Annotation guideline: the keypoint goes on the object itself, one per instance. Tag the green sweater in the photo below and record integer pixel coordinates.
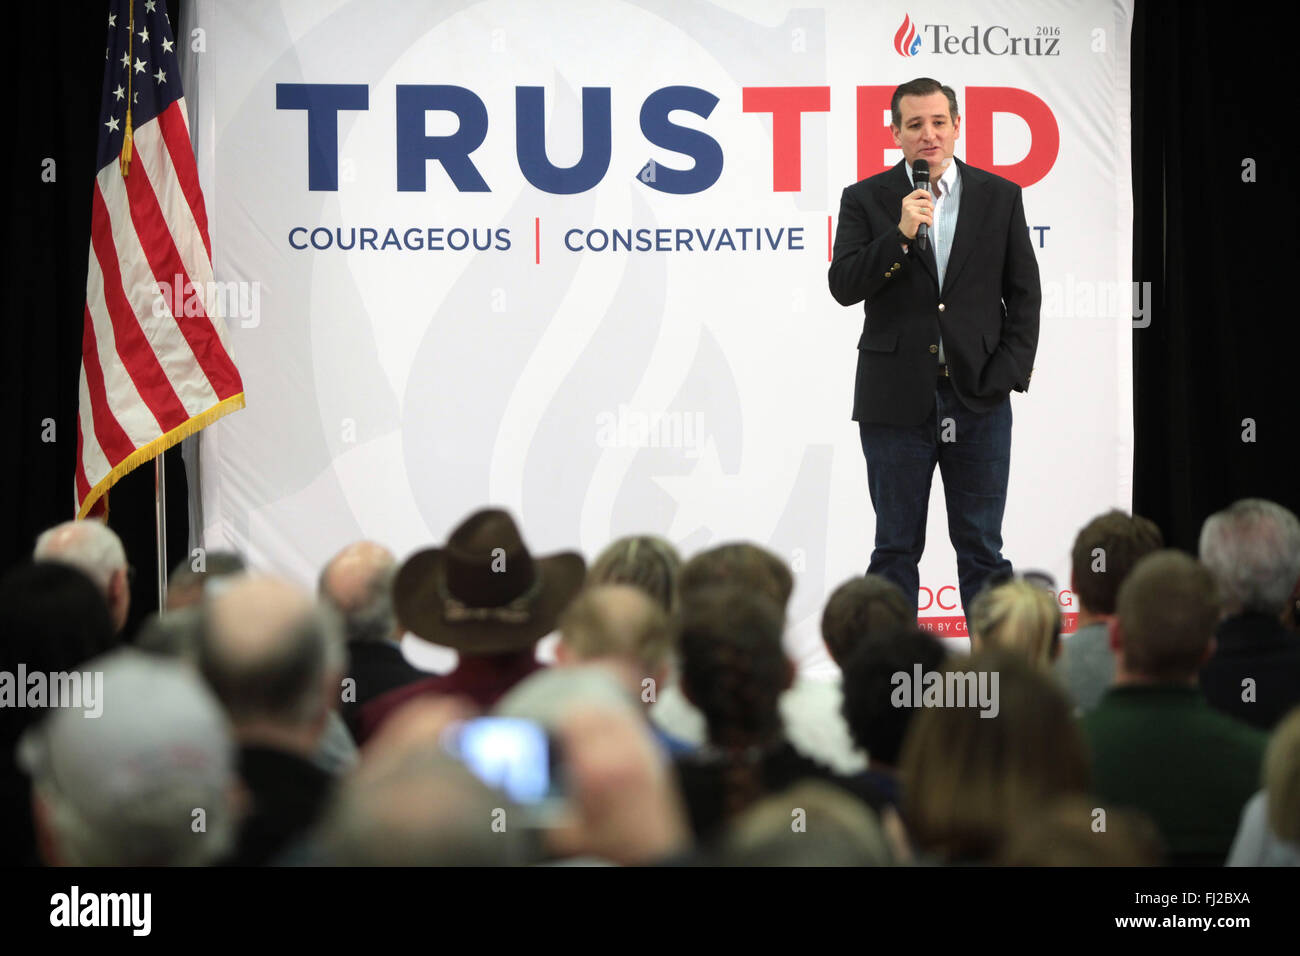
(1162, 750)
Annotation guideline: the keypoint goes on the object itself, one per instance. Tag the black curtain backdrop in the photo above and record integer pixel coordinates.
(54, 116)
(1221, 345)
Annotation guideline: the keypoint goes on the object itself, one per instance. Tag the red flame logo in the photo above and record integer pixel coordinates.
(905, 39)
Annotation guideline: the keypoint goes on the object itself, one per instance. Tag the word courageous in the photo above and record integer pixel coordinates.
(785, 105)
(103, 909)
(57, 689)
(946, 689)
(434, 239)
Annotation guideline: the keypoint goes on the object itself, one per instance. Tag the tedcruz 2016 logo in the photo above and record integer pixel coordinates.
(994, 40)
(907, 41)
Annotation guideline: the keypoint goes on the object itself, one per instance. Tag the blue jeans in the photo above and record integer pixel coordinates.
(974, 463)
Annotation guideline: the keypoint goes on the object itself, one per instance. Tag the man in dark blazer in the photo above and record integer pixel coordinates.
(950, 330)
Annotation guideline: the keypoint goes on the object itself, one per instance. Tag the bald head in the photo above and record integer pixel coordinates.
(91, 547)
(358, 583)
(255, 617)
(269, 653)
(618, 621)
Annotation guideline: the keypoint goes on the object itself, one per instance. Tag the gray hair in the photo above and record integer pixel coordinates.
(90, 546)
(173, 633)
(1253, 550)
(123, 789)
(156, 830)
(216, 564)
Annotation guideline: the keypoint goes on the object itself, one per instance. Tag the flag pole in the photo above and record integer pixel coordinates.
(160, 524)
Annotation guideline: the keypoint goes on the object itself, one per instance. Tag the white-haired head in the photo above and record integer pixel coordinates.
(122, 788)
(1253, 550)
(96, 551)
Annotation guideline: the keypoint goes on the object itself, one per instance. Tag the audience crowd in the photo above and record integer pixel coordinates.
(643, 710)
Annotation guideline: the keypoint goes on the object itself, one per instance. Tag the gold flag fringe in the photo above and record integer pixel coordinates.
(159, 445)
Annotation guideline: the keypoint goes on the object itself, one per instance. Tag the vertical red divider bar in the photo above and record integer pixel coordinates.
(537, 240)
(828, 237)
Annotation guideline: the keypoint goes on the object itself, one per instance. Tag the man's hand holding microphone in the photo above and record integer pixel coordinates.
(918, 206)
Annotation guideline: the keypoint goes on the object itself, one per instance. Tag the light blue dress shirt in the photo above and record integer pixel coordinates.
(947, 203)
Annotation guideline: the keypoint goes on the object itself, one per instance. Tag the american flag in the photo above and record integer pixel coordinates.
(155, 359)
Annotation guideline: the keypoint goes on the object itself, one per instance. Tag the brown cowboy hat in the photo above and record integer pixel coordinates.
(484, 593)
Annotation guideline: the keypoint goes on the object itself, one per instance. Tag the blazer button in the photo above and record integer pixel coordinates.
(934, 349)
(896, 265)
(888, 275)
(941, 306)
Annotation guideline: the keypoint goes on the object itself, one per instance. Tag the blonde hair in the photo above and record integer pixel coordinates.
(1063, 834)
(644, 561)
(1018, 617)
(969, 781)
(1282, 778)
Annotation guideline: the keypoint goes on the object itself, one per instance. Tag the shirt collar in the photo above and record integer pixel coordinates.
(949, 177)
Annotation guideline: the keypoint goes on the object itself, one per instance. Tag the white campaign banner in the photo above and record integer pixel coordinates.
(570, 259)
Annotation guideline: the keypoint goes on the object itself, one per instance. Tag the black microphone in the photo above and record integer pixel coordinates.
(921, 180)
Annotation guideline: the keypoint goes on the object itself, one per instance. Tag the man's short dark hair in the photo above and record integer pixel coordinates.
(1123, 541)
(921, 86)
(1168, 608)
(52, 618)
(876, 725)
(741, 565)
(859, 607)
